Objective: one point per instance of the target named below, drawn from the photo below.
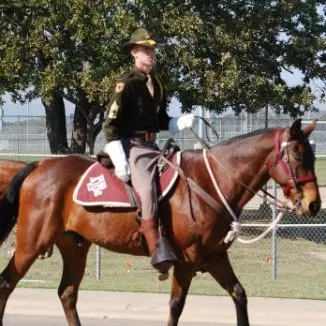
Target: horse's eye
(298, 157)
(296, 148)
(297, 153)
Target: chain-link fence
(296, 244)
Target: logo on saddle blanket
(99, 186)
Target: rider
(136, 112)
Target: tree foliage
(215, 54)
(234, 53)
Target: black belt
(146, 136)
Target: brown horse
(8, 169)
(41, 196)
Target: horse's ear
(295, 129)
(308, 129)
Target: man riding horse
(136, 112)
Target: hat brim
(148, 43)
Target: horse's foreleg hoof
(163, 276)
(47, 254)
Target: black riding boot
(163, 257)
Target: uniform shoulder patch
(113, 111)
(119, 87)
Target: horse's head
(293, 168)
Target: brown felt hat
(140, 37)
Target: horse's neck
(243, 162)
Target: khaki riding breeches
(143, 158)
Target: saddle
(99, 186)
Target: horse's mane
(233, 139)
(245, 136)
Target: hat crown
(140, 34)
(141, 37)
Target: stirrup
(164, 257)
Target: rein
(282, 204)
(235, 224)
(194, 186)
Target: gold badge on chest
(114, 108)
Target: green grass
(321, 171)
(320, 163)
(301, 272)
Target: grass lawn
(301, 266)
(321, 171)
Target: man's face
(143, 55)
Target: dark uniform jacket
(133, 110)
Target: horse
(40, 199)
(8, 169)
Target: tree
(232, 53)
(62, 51)
(216, 54)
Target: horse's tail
(9, 203)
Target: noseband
(281, 164)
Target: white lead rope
(235, 225)
(271, 227)
(217, 188)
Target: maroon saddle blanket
(99, 186)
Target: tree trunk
(79, 131)
(56, 123)
(87, 124)
(94, 128)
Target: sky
(35, 108)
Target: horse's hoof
(163, 276)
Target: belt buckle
(150, 136)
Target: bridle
(280, 169)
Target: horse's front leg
(222, 271)
(182, 277)
(17, 267)
(74, 262)
(7, 286)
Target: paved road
(42, 307)
(25, 320)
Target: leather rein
(280, 164)
(281, 161)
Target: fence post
(98, 262)
(274, 236)
(313, 145)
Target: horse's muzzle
(308, 209)
(314, 207)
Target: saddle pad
(99, 186)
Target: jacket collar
(141, 74)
